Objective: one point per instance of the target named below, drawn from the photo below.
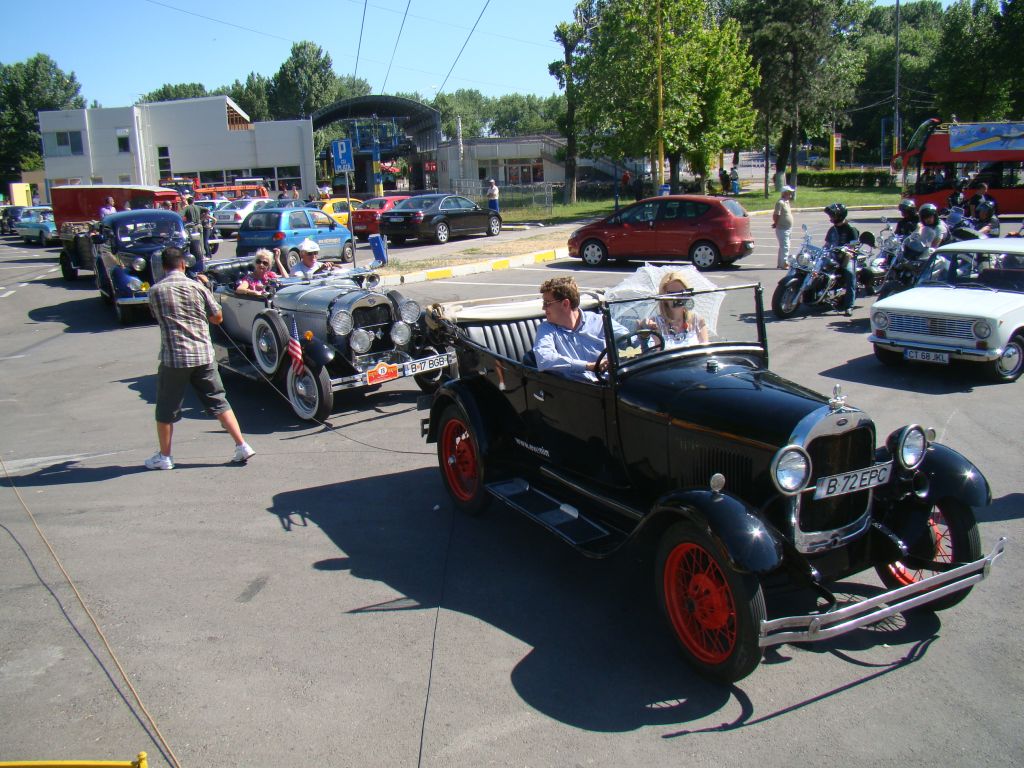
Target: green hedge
(860, 179)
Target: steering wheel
(640, 334)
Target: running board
(562, 519)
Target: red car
(365, 221)
(710, 231)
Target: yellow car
(338, 207)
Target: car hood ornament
(838, 400)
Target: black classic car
(352, 334)
(437, 217)
(740, 480)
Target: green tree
(27, 88)
(517, 115)
(1011, 32)
(570, 35)
(174, 92)
(970, 82)
(304, 83)
(469, 104)
(809, 64)
(349, 87)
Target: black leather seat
(229, 273)
(511, 339)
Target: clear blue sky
(119, 50)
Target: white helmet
(309, 246)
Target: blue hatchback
(284, 227)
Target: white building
(210, 138)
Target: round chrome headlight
(881, 320)
(139, 264)
(410, 311)
(360, 341)
(134, 284)
(341, 323)
(401, 333)
(911, 447)
(791, 469)
(371, 281)
(982, 329)
(804, 259)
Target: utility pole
(896, 92)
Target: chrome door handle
(539, 395)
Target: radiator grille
(833, 455)
(931, 326)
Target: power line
(359, 48)
(395, 50)
(220, 21)
(464, 46)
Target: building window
(163, 153)
(524, 171)
(62, 144)
(123, 144)
(124, 178)
(95, 179)
(211, 177)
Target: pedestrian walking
(183, 308)
(782, 223)
(723, 179)
(492, 195)
(734, 177)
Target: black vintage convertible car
(741, 481)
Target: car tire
(950, 535)
(705, 255)
(493, 226)
(887, 356)
(42, 239)
(69, 273)
(1010, 364)
(593, 253)
(462, 467)
(786, 299)
(310, 393)
(348, 252)
(269, 342)
(101, 279)
(291, 259)
(213, 248)
(124, 313)
(396, 240)
(714, 611)
(363, 238)
(442, 233)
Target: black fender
(459, 392)
(950, 474)
(750, 544)
(318, 351)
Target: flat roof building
(209, 138)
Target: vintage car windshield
(710, 316)
(969, 269)
(133, 231)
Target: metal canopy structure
(421, 123)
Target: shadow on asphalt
(922, 378)
(1008, 507)
(601, 657)
(85, 315)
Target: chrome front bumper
(962, 353)
(822, 626)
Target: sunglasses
(547, 304)
(263, 263)
(687, 303)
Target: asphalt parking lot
(323, 605)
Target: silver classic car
(350, 331)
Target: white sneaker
(243, 453)
(159, 461)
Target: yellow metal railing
(139, 762)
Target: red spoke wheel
(714, 611)
(458, 455)
(950, 535)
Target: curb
(477, 267)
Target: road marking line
(5, 295)
(10, 357)
(23, 285)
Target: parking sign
(342, 151)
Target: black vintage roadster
(743, 481)
(352, 333)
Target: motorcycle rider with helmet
(910, 219)
(988, 222)
(934, 231)
(843, 233)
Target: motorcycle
(908, 260)
(815, 276)
(961, 227)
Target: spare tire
(83, 250)
(269, 342)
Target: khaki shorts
(170, 391)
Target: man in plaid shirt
(183, 308)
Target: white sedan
(968, 304)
